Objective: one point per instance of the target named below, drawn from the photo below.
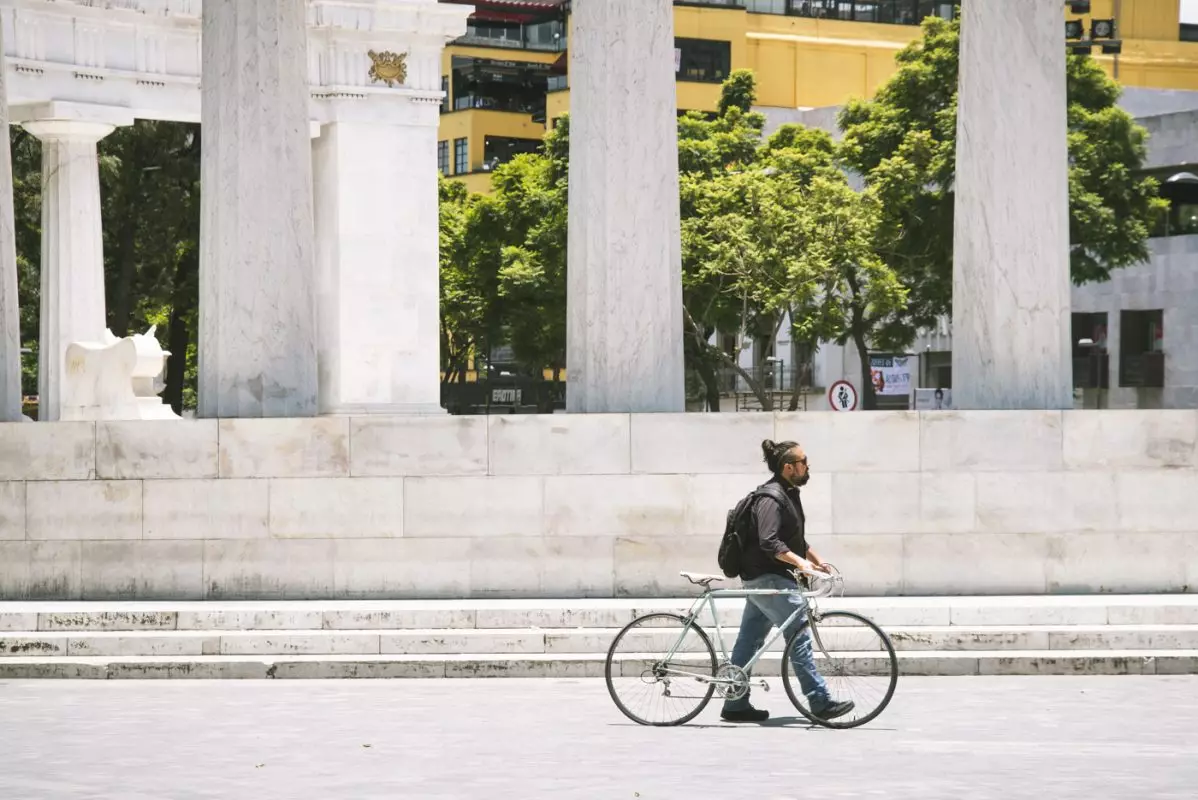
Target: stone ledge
(1114, 662)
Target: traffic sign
(842, 396)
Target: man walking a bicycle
(774, 545)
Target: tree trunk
(120, 301)
(179, 336)
(858, 328)
(703, 347)
(869, 398)
(711, 381)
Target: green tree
(503, 262)
(794, 241)
(903, 142)
(534, 191)
(149, 190)
(27, 213)
(711, 148)
(461, 306)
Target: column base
(385, 410)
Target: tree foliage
(779, 232)
(903, 142)
(149, 191)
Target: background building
(507, 79)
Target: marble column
(624, 308)
(1011, 287)
(10, 323)
(72, 280)
(377, 263)
(257, 348)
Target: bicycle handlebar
(822, 584)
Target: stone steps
(572, 613)
(570, 665)
(569, 638)
(562, 641)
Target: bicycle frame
(708, 599)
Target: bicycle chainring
(734, 682)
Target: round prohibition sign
(842, 396)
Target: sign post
(842, 396)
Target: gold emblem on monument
(388, 67)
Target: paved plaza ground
(961, 738)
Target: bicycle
(843, 643)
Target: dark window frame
(443, 156)
(702, 60)
(461, 156)
(1140, 363)
(880, 12)
(499, 150)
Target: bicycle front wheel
(857, 661)
(660, 669)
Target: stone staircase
(1143, 635)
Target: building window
(894, 12)
(502, 149)
(499, 85)
(443, 157)
(1141, 348)
(702, 61)
(1090, 360)
(445, 94)
(461, 156)
(1181, 191)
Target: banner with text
(891, 374)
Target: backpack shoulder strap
(775, 491)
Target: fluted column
(72, 281)
(10, 330)
(624, 307)
(1011, 288)
(257, 349)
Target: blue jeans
(765, 612)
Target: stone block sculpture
(116, 379)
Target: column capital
(82, 122)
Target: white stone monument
(1011, 304)
(115, 379)
(273, 73)
(10, 331)
(257, 348)
(624, 330)
(375, 174)
(72, 279)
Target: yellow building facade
(804, 53)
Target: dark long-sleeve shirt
(779, 530)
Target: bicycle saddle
(701, 579)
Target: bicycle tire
(611, 652)
(892, 673)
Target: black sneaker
(835, 709)
(749, 714)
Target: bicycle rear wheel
(857, 661)
(651, 688)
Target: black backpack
(736, 532)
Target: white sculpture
(115, 379)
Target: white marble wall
(1011, 268)
(257, 349)
(590, 505)
(10, 330)
(378, 300)
(624, 331)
